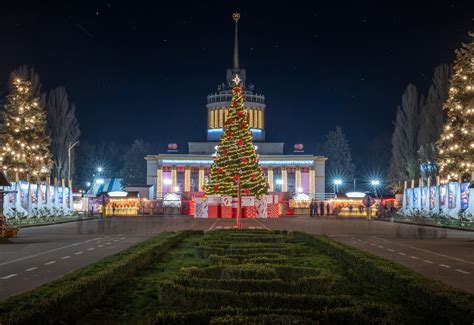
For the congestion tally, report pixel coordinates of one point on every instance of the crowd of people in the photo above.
(319, 209)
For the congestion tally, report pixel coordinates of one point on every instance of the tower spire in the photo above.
(236, 17)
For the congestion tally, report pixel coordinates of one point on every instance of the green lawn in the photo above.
(242, 277)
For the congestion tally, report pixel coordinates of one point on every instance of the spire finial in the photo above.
(236, 17)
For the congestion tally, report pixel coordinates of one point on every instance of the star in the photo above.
(236, 79)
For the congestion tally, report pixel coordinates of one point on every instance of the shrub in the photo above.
(439, 301)
(69, 297)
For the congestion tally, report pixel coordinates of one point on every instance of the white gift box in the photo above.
(248, 201)
(261, 206)
(200, 210)
(213, 200)
(226, 201)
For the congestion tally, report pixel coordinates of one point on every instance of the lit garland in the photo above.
(24, 143)
(236, 159)
(456, 144)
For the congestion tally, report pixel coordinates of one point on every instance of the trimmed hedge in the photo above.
(70, 297)
(370, 313)
(445, 304)
(310, 285)
(207, 251)
(252, 271)
(195, 298)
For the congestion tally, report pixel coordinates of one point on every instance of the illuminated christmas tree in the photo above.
(236, 159)
(23, 140)
(456, 145)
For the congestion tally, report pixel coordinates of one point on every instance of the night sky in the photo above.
(142, 70)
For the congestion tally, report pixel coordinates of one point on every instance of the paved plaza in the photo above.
(42, 254)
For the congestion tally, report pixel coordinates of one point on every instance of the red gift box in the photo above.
(249, 212)
(213, 211)
(273, 211)
(226, 212)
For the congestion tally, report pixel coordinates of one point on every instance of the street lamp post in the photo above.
(375, 184)
(69, 148)
(337, 182)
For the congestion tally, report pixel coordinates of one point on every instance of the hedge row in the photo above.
(267, 238)
(177, 295)
(443, 303)
(71, 296)
(205, 251)
(242, 258)
(369, 313)
(252, 271)
(308, 285)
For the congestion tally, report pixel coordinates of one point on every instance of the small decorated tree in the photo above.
(456, 145)
(236, 160)
(23, 140)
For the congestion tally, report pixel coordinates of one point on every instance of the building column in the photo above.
(312, 181)
(284, 178)
(159, 182)
(255, 118)
(250, 114)
(187, 179)
(173, 178)
(201, 178)
(297, 178)
(270, 179)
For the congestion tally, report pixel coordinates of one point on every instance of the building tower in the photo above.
(217, 103)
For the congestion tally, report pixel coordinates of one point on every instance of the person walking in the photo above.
(328, 209)
(321, 208)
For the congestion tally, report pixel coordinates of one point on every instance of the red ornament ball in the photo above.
(220, 170)
(216, 188)
(229, 133)
(243, 160)
(253, 176)
(247, 192)
(240, 142)
(236, 178)
(235, 103)
(240, 113)
(225, 151)
(243, 125)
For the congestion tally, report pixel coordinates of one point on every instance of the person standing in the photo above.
(328, 209)
(321, 208)
(313, 209)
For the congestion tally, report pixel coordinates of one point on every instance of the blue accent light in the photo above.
(215, 130)
(256, 131)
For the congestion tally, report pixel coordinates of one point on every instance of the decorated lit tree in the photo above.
(236, 159)
(456, 144)
(23, 140)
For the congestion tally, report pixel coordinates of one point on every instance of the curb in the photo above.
(53, 223)
(427, 225)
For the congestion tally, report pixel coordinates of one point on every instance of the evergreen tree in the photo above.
(24, 144)
(456, 144)
(236, 158)
(134, 167)
(338, 152)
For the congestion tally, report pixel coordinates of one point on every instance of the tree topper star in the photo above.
(237, 79)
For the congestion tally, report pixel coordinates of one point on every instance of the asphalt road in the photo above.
(42, 254)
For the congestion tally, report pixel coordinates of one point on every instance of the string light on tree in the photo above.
(236, 160)
(456, 144)
(23, 136)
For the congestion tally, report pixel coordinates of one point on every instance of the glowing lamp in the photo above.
(167, 181)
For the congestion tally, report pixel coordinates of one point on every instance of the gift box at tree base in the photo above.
(226, 207)
(267, 206)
